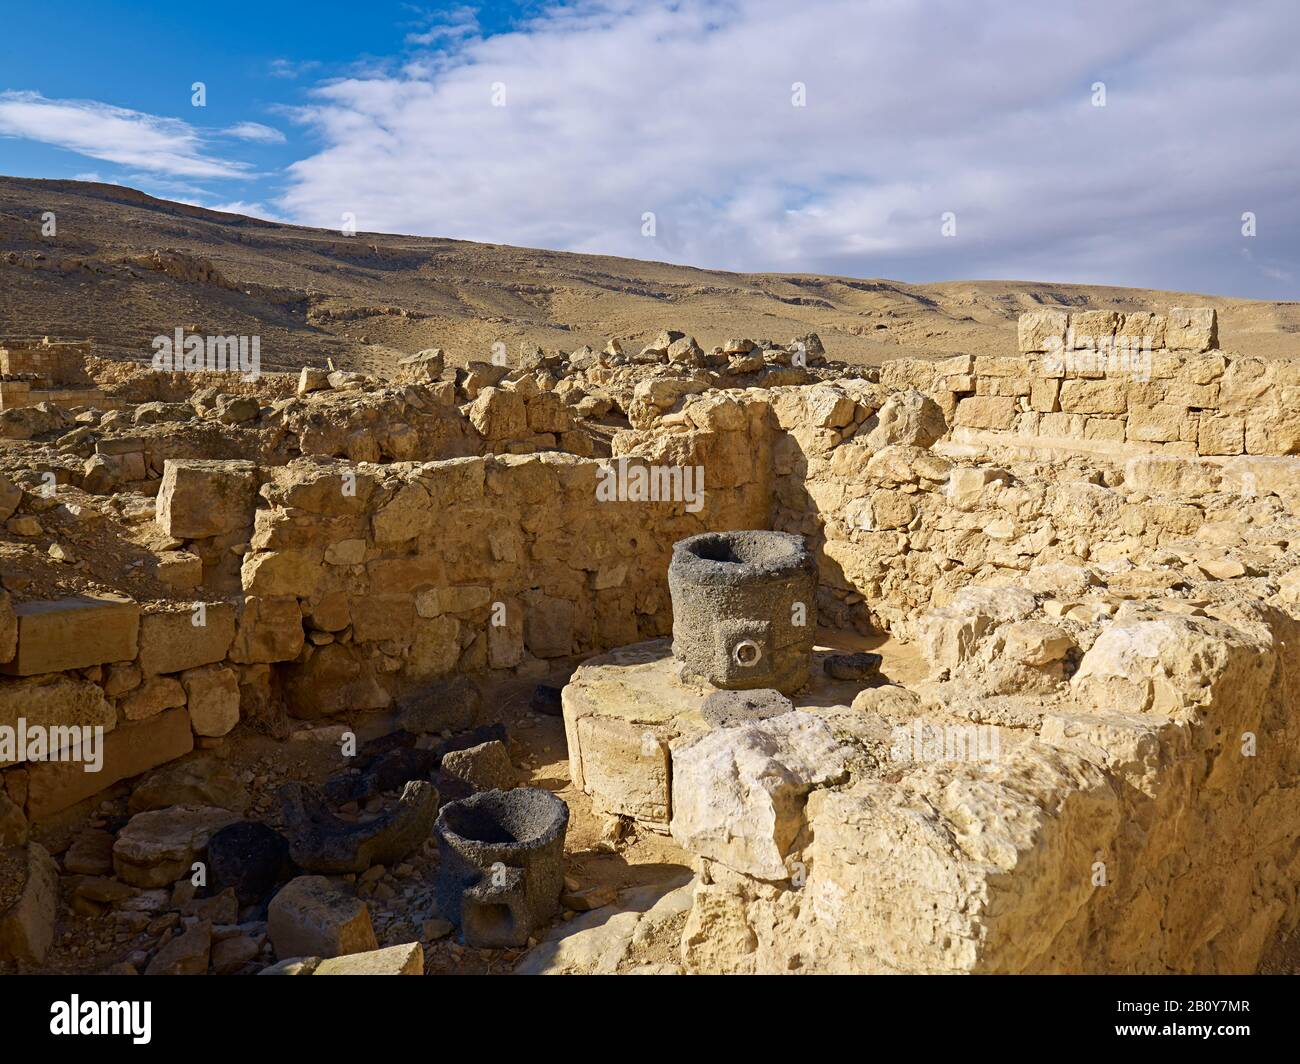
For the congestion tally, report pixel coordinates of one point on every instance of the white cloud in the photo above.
(256, 132)
(287, 68)
(114, 134)
(458, 24)
(979, 108)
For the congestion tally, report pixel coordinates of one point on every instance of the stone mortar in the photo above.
(744, 609)
(502, 864)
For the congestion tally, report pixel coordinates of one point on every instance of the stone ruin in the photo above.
(33, 372)
(1041, 715)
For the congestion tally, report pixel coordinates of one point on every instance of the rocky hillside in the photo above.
(124, 267)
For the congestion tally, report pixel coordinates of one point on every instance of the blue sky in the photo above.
(829, 136)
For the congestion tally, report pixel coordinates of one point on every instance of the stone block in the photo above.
(1192, 329)
(407, 959)
(200, 498)
(310, 917)
(51, 702)
(269, 629)
(73, 633)
(172, 640)
(213, 699)
(739, 793)
(987, 412)
(1042, 330)
(128, 751)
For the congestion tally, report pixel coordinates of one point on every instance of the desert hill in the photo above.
(124, 267)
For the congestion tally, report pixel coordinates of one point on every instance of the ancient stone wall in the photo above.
(332, 586)
(1108, 383)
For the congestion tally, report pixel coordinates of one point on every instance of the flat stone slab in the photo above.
(73, 633)
(625, 712)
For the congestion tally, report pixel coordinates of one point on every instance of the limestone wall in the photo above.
(332, 587)
(1111, 383)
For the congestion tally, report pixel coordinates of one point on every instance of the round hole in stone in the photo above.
(746, 653)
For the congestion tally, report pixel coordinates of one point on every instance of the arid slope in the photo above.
(124, 267)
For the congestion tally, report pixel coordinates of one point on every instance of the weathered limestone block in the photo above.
(910, 418)
(1035, 643)
(1225, 435)
(625, 767)
(1143, 328)
(157, 847)
(1092, 328)
(822, 406)
(175, 639)
(334, 679)
(899, 373)
(405, 516)
(1275, 430)
(717, 938)
(966, 485)
(948, 636)
(484, 767)
(1170, 475)
(1263, 474)
(53, 702)
(282, 572)
(310, 917)
(547, 413)
(27, 925)
(180, 570)
(154, 694)
(548, 625)
(1093, 397)
(506, 639)
(407, 959)
(213, 699)
(738, 793)
(1160, 666)
(270, 629)
(200, 498)
(1042, 330)
(194, 781)
(129, 750)
(1246, 385)
(376, 618)
(651, 398)
(1161, 423)
(499, 414)
(189, 953)
(938, 893)
(435, 647)
(986, 412)
(72, 633)
(1192, 329)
